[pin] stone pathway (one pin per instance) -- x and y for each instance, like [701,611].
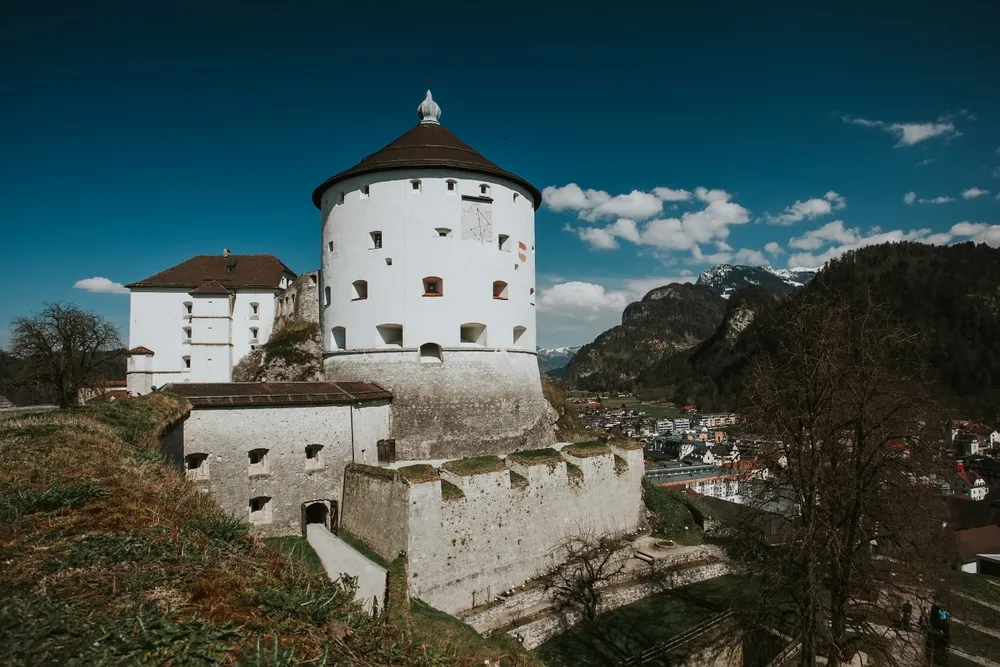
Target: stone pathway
[338,557]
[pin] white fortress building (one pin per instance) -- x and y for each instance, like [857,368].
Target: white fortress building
[196,320]
[428,290]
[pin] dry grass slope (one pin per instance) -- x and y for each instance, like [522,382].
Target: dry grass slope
[110,557]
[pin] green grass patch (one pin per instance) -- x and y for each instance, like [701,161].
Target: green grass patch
[675,519]
[419,473]
[430,624]
[518,481]
[22,502]
[298,549]
[476,465]
[583,450]
[358,545]
[631,629]
[536,457]
[450,492]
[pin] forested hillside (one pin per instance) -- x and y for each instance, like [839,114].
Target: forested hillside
[950,295]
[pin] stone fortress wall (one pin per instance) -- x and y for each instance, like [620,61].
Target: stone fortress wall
[472,528]
[299,302]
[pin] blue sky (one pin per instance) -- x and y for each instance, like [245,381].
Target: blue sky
[135,137]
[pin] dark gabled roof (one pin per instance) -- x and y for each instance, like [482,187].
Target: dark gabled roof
[141,350]
[431,146]
[202,394]
[263,271]
[211,287]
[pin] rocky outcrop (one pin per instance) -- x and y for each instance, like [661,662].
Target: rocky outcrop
[294,353]
[667,320]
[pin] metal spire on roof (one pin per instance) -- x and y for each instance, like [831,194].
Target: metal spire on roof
[429,111]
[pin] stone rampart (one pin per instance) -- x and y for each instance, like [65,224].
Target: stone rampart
[499,523]
[299,302]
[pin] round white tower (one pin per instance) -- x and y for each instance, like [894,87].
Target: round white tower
[428,289]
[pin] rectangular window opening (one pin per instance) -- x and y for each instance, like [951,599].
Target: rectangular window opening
[375,242]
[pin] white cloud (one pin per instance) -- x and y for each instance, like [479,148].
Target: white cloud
[979,232]
[591,300]
[908,134]
[972,193]
[749,256]
[685,233]
[706,195]
[666,194]
[911,197]
[924,163]
[852,239]
[808,209]
[773,249]
[592,205]
[101,286]
[831,232]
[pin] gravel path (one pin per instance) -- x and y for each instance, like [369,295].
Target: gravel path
[337,557]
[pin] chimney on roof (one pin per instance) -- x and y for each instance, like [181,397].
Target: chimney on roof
[960,467]
[225,252]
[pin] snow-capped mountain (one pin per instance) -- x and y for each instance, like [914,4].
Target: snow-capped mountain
[725,279]
[551,358]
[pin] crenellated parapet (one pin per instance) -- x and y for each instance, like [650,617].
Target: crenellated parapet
[474,527]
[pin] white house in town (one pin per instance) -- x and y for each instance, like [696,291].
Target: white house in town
[196,320]
[968,482]
[428,290]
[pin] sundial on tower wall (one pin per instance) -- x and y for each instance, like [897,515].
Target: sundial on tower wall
[477,222]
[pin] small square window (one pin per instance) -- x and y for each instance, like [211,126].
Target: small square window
[329,246]
[484,189]
[503,242]
[451,185]
[341,197]
[187,362]
[415,185]
[442,231]
[364,191]
[230,268]
[376,240]
[188,306]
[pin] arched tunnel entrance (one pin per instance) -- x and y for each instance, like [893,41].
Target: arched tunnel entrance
[322,512]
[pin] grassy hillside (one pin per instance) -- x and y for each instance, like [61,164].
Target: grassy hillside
[110,557]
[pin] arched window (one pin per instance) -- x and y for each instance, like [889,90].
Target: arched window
[433,286]
[430,353]
[518,333]
[338,339]
[389,335]
[473,333]
[359,290]
[500,290]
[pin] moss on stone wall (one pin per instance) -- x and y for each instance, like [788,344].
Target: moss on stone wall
[585,450]
[574,474]
[536,457]
[450,492]
[372,471]
[518,481]
[621,465]
[419,473]
[476,465]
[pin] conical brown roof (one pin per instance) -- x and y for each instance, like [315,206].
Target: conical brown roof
[428,145]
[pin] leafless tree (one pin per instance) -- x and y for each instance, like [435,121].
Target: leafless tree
[64,349]
[849,527]
[585,564]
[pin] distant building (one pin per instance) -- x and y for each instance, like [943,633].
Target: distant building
[194,321]
[968,482]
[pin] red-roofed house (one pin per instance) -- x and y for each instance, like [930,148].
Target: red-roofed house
[969,483]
